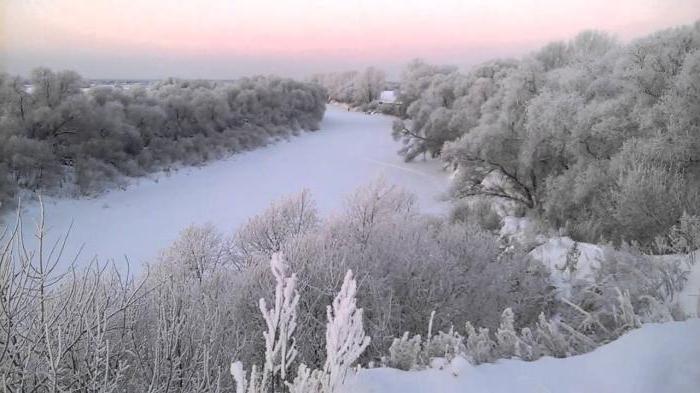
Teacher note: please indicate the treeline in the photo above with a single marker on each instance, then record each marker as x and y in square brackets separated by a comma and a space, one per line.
[598, 137]
[56, 132]
[179, 327]
[358, 89]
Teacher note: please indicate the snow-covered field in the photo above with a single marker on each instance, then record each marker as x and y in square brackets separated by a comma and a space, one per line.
[656, 358]
[350, 150]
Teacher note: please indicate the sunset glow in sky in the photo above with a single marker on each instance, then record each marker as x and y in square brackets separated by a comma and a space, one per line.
[230, 38]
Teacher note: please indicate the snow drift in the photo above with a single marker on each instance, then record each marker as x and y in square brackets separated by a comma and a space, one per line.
[655, 358]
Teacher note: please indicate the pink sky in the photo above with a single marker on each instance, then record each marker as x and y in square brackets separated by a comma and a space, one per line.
[229, 38]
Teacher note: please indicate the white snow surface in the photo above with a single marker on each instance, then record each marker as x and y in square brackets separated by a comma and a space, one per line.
[653, 359]
[552, 254]
[350, 150]
[689, 297]
[520, 230]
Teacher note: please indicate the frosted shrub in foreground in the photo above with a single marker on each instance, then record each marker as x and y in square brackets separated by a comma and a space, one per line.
[444, 345]
[280, 348]
[479, 344]
[403, 353]
[410, 353]
[547, 337]
[507, 341]
[61, 330]
[345, 335]
[345, 340]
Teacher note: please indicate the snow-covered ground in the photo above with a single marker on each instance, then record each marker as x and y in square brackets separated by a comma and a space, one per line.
[350, 150]
[656, 358]
[689, 297]
[552, 254]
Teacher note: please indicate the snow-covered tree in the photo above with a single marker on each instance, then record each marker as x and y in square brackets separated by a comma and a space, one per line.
[368, 85]
[53, 128]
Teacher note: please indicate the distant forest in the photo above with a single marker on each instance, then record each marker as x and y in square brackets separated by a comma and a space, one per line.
[58, 133]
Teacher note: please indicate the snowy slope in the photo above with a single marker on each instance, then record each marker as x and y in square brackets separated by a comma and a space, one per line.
[552, 254]
[350, 150]
[656, 358]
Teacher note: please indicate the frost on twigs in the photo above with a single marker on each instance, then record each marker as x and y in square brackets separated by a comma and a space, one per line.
[280, 350]
[345, 335]
[239, 376]
[345, 340]
[403, 353]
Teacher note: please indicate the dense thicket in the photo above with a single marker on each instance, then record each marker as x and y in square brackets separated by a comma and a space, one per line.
[599, 137]
[178, 328]
[55, 131]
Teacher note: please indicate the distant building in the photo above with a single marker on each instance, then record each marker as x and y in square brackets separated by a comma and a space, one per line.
[388, 97]
[388, 102]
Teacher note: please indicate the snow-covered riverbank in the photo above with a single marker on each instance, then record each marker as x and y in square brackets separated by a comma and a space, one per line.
[350, 150]
[655, 358]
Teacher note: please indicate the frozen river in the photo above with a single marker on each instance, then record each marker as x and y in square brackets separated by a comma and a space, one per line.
[351, 149]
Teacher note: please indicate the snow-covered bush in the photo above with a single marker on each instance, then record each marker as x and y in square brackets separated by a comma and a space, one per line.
[265, 234]
[345, 340]
[306, 381]
[682, 238]
[480, 212]
[280, 320]
[62, 330]
[196, 310]
[198, 251]
[280, 349]
[345, 335]
[627, 287]
[388, 244]
[480, 346]
[445, 345]
[508, 344]
[404, 351]
[410, 353]
[551, 340]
